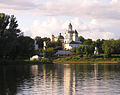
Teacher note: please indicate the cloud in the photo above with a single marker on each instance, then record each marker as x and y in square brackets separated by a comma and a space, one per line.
[44, 29]
[17, 4]
[94, 35]
[83, 8]
[54, 26]
[104, 17]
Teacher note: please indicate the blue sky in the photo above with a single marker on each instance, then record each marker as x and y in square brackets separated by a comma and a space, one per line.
[95, 19]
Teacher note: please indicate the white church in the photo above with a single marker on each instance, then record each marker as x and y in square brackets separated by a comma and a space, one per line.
[70, 40]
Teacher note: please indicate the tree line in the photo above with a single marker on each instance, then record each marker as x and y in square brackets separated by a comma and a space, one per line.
[106, 47]
[13, 44]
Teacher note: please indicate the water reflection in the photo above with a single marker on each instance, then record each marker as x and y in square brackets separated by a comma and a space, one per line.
[60, 79]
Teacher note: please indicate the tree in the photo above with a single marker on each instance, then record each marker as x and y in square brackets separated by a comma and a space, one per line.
[25, 47]
[98, 44]
[108, 48]
[54, 44]
[88, 42]
[80, 51]
[89, 50]
[81, 38]
[4, 21]
[74, 49]
[49, 52]
[41, 40]
[116, 46]
[8, 35]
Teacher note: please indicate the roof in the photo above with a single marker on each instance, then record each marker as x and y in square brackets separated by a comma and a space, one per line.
[76, 32]
[70, 31]
[70, 25]
[62, 52]
[73, 42]
[60, 36]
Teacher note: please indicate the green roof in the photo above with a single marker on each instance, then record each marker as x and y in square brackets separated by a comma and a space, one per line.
[73, 42]
[60, 36]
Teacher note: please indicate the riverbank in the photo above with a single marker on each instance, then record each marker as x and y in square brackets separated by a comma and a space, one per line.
[83, 62]
[76, 59]
[63, 60]
[23, 62]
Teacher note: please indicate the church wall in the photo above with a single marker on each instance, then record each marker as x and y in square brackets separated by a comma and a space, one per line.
[67, 46]
[70, 46]
[75, 45]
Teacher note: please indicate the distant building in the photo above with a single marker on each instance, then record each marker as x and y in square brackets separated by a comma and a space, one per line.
[44, 45]
[60, 37]
[96, 51]
[63, 52]
[35, 45]
[70, 40]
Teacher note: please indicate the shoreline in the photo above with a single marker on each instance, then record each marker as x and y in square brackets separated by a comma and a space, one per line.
[74, 60]
[85, 62]
[22, 62]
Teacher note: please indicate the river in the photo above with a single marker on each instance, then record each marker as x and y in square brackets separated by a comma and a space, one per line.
[60, 79]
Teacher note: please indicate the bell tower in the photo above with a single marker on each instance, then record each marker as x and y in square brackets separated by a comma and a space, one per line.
[75, 36]
[70, 27]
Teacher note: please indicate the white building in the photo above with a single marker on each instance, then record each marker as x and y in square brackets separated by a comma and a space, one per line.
[71, 38]
[72, 44]
[63, 52]
[35, 45]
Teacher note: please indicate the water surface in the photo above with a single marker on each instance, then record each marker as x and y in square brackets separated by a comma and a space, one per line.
[60, 79]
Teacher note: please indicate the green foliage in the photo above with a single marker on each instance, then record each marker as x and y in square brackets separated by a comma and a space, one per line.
[81, 38]
[74, 49]
[4, 21]
[107, 48]
[116, 46]
[45, 60]
[49, 52]
[57, 48]
[98, 44]
[77, 57]
[26, 45]
[9, 33]
[111, 47]
[12, 42]
[88, 50]
[88, 42]
[115, 59]
[41, 40]
[80, 50]
[99, 59]
[54, 44]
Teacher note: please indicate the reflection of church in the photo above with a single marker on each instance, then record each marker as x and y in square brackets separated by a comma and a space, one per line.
[70, 40]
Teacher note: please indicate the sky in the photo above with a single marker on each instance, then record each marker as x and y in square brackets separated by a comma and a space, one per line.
[94, 19]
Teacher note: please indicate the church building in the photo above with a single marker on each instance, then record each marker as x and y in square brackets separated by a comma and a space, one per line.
[70, 40]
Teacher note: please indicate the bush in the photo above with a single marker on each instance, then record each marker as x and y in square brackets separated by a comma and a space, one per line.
[49, 53]
[45, 61]
[77, 57]
[99, 59]
[115, 59]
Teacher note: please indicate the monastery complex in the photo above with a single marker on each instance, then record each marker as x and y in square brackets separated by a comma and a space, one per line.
[70, 39]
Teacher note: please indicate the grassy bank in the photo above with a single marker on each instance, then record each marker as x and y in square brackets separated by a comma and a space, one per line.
[78, 59]
[23, 62]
